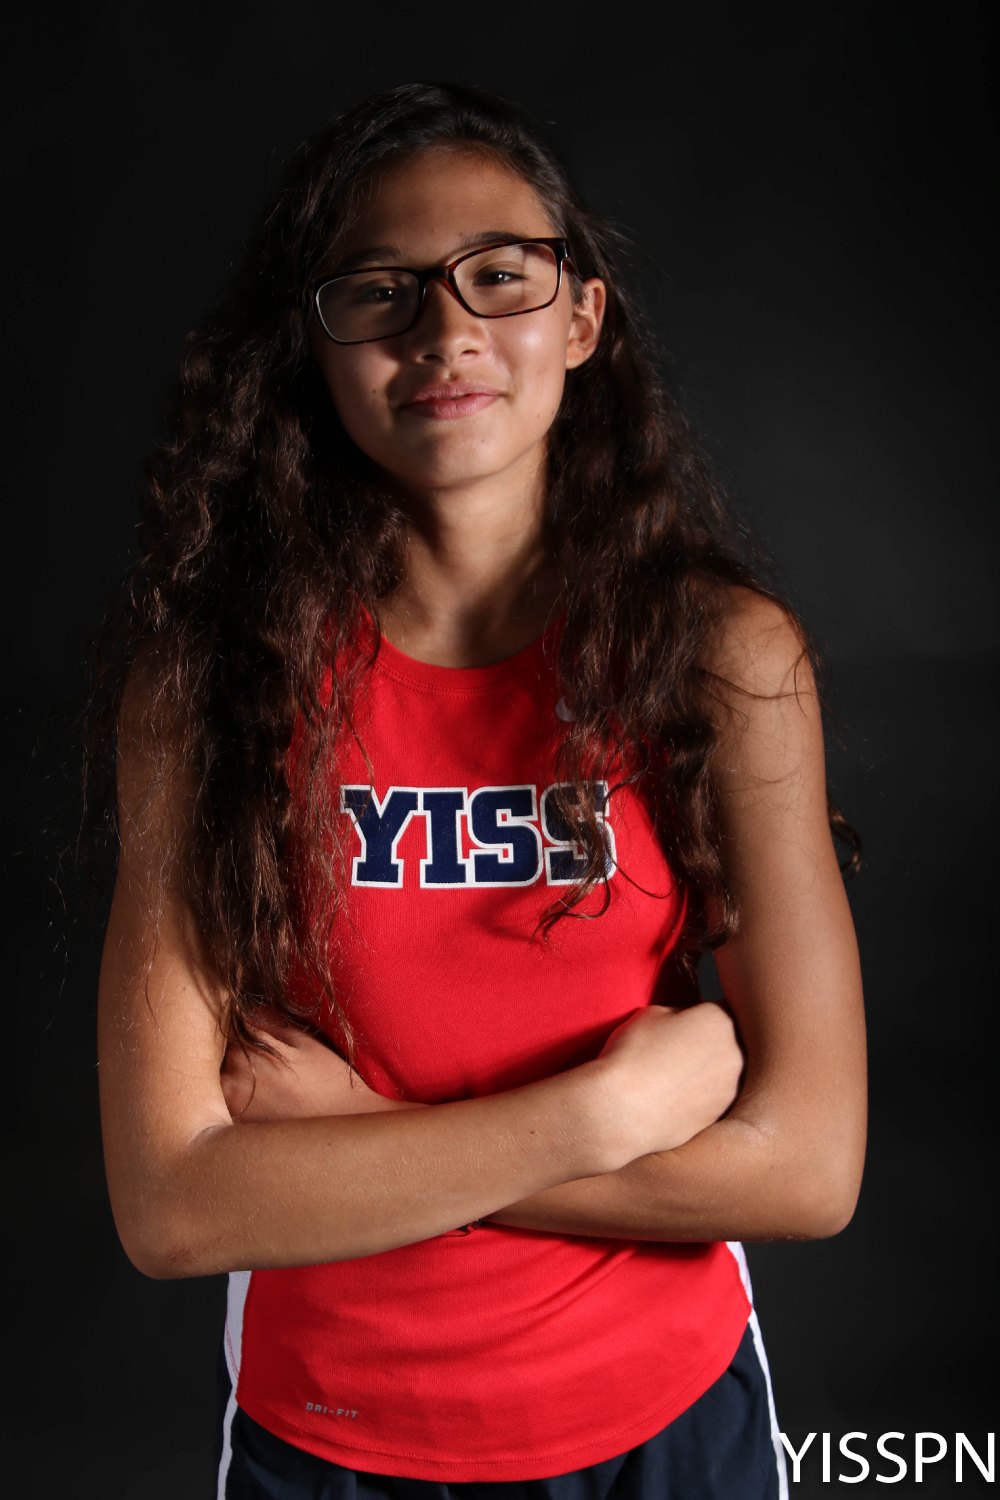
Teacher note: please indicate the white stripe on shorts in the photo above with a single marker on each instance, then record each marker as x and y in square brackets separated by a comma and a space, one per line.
[236, 1296]
[739, 1255]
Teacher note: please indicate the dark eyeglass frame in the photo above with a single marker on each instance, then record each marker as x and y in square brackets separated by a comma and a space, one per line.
[446, 273]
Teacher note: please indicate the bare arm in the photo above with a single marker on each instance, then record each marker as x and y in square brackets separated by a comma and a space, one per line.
[192, 1193]
[786, 1161]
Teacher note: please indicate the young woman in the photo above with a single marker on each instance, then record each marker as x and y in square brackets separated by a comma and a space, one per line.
[453, 721]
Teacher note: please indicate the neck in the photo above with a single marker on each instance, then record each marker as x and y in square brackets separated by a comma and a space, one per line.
[478, 584]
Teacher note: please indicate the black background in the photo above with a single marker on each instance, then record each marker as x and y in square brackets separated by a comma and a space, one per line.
[808, 188]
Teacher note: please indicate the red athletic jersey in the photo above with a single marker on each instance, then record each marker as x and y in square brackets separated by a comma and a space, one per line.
[486, 1353]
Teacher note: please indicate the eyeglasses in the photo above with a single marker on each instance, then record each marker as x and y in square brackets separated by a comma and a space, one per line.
[501, 281]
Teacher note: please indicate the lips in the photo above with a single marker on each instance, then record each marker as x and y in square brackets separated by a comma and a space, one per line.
[444, 402]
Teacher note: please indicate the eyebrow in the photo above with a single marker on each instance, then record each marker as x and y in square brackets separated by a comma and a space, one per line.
[392, 255]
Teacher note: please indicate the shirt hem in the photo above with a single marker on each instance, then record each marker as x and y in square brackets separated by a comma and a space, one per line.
[399, 1465]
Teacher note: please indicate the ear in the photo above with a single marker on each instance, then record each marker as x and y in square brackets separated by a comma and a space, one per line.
[585, 324]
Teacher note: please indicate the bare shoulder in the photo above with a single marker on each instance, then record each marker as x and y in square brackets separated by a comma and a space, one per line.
[150, 720]
[763, 697]
[161, 1004]
[155, 785]
[756, 648]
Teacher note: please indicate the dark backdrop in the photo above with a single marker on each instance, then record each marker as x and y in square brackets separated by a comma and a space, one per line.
[806, 186]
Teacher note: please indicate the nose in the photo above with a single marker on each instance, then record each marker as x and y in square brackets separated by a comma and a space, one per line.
[445, 329]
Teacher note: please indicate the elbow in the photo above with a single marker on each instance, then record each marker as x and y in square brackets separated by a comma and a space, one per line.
[161, 1250]
[169, 1228]
[146, 1263]
[166, 1238]
[825, 1213]
[167, 1262]
[823, 1198]
[807, 1187]
[810, 1173]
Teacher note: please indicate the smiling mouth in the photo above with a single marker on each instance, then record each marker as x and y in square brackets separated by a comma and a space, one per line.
[441, 405]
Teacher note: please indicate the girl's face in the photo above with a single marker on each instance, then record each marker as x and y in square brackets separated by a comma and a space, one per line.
[456, 400]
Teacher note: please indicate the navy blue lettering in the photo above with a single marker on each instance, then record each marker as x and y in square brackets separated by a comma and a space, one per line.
[506, 823]
[567, 864]
[499, 816]
[379, 827]
[444, 864]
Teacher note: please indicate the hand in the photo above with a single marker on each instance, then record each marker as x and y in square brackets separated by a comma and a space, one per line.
[306, 1080]
[674, 1073]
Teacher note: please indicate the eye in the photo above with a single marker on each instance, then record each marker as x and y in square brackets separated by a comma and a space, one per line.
[510, 278]
[376, 292]
[497, 275]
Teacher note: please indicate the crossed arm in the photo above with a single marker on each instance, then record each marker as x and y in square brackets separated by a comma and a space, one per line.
[636, 1144]
[786, 1160]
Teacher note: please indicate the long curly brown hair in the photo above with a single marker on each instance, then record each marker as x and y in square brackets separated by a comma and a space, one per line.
[266, 532]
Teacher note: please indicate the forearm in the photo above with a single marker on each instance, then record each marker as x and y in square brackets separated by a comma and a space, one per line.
[736, 1180]
[299, 1192]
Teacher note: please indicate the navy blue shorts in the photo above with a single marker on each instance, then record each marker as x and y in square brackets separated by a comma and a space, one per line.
[724, 1446]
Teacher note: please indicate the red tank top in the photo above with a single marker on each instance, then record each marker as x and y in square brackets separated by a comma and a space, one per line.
[486, 1353]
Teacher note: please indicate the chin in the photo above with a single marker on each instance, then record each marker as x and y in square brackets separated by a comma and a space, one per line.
[437, 481]
[451, 471]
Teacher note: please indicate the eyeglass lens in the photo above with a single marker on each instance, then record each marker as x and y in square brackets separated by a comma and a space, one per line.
[495, 283]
